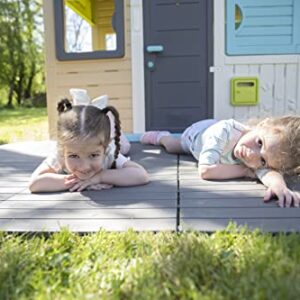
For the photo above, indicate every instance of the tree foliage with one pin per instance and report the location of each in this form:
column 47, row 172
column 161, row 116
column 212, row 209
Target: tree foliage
column 21, row 49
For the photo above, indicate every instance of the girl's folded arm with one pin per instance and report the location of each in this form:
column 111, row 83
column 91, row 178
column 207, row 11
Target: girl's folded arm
column 48, row 182
column 45, row 179
column 224, row 171
column 131, row 174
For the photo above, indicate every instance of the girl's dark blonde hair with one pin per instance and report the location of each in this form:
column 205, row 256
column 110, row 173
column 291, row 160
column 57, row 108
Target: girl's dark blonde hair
column 288, row 130
column 82, row 122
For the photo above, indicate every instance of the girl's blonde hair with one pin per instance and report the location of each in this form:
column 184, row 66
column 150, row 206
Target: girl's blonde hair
column 82, row 122
column 288, row 130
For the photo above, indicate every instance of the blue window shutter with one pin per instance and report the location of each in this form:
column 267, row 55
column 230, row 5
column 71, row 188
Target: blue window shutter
column 266, row 27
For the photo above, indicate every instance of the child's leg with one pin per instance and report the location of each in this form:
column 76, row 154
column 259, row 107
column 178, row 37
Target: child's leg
column 163, row 138
column 171, row 144
column 125, row 144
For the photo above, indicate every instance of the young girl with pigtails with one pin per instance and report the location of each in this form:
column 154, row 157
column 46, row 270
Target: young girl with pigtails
column 228, row 149
column 87, row 156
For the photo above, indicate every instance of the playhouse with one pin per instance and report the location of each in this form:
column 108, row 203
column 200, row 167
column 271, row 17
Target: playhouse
column 167, row 63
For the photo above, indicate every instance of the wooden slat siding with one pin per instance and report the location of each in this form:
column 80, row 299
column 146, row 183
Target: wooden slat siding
column 266, row 90
column 111, row 78
column 268, row 11
column 269, row 40
column 249, row 37
column 222, row 107
column 149, row 207
column 268, row 21
column 212, row 206
column 124, row 90
column 253, row 111
column 282, row 30
column 102, row 76
column 85, row 67
column 290, row 91
column 266, row 3
column 265, row 66
column 279, row 90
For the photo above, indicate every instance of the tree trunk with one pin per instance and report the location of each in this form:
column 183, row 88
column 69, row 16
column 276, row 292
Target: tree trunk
column 19, row 87
column 10, row 95
column 28, row 89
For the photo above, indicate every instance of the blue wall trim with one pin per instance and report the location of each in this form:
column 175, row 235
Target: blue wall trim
column 267, row 27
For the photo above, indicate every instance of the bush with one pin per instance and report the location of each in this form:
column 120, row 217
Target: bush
column 38, row 100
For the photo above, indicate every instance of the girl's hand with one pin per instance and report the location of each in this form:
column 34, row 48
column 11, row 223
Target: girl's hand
column 80, row 185
column 73, row 183
column 286, row 197
column 89, row 184
column 70, row 181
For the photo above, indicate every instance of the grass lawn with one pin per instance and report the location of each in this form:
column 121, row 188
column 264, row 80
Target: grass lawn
column 224, row 265
column 22, row 124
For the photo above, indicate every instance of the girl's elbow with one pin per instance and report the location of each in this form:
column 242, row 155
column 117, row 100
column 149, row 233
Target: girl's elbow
column 204, row 172
column 141, row 175
column 33, row 187
column 144, row 178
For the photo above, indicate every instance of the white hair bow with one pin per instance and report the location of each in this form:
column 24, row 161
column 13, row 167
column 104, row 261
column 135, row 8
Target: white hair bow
column 80, row 97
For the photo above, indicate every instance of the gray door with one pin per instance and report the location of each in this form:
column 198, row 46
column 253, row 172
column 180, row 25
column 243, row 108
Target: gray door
column 178, row 52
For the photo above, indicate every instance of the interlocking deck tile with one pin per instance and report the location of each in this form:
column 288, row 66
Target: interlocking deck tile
column 149, row 207
column 212, row 205
column 175, row 199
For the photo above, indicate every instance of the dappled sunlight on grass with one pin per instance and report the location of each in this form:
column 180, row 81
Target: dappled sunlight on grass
column 23, row 124
column 229, row 264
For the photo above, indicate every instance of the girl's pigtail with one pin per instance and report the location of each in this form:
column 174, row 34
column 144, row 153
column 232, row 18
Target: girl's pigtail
column 117, row 131
column 64, row 105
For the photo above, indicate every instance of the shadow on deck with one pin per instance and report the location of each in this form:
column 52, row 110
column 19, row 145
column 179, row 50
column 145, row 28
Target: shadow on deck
column 175, row 199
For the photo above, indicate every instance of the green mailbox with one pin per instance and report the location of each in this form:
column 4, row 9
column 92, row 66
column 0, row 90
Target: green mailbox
column 244, row 91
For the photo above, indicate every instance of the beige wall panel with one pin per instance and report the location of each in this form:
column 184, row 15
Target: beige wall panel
column 106, row 65
column 126, row 113
column 99, row 78
column 123, row 91
column 103, row 76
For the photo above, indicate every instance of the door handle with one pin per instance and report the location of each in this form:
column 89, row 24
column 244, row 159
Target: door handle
column 155, row 48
